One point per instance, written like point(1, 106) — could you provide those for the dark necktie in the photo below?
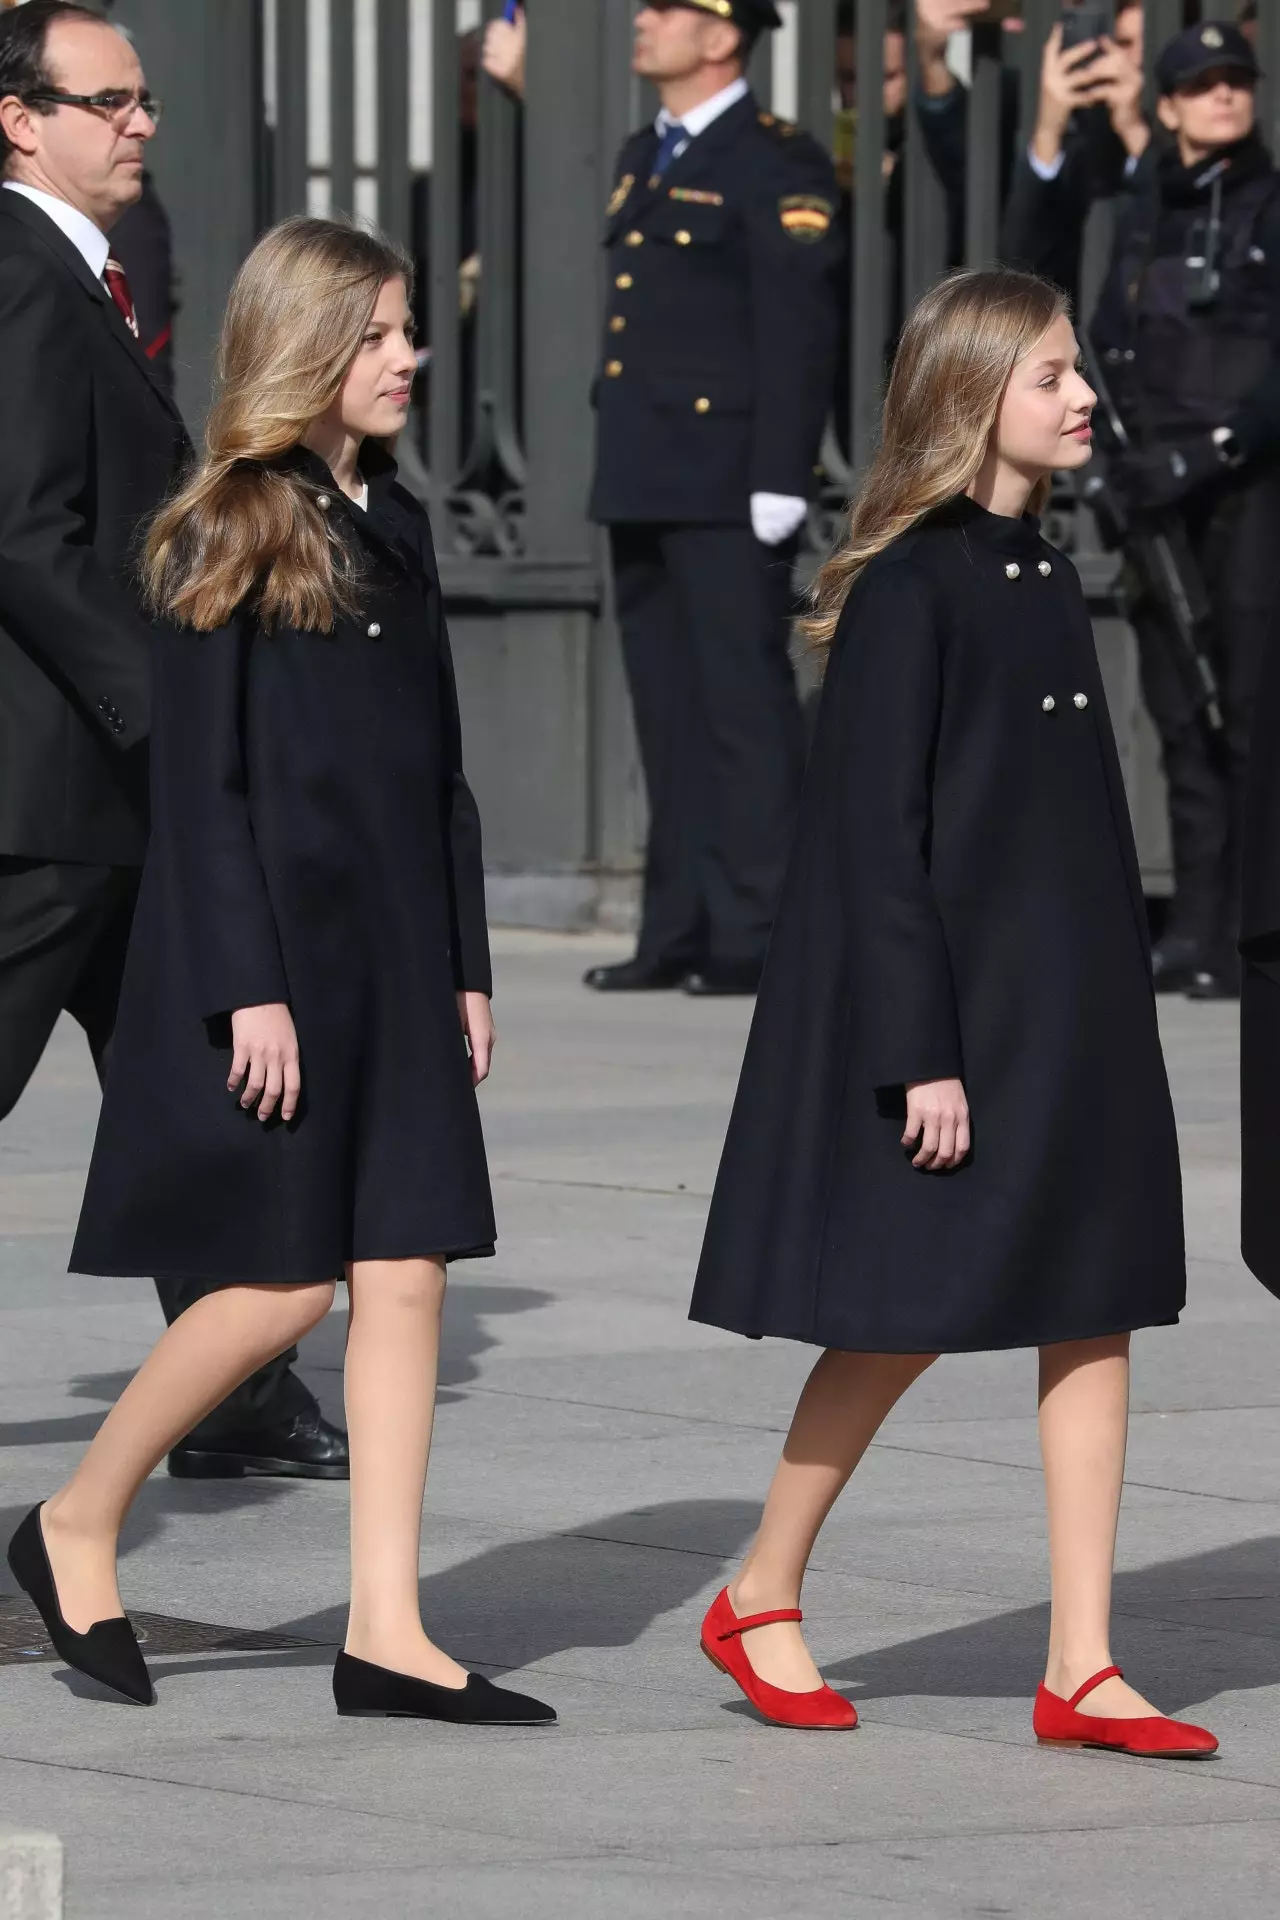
point(118, 287)
point(674, 137)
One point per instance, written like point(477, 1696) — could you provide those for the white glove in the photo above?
point(776, 516)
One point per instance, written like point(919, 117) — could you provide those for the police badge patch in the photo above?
point(620, 195)
point(805, 216)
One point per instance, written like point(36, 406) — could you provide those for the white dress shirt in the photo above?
point(774, 516)
point(88, 240)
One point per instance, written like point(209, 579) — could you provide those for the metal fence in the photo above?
point(374, 107)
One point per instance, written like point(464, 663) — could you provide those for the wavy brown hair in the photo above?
point(246, 526)
point(959, 346)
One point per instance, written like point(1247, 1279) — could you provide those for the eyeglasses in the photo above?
point(118, 107)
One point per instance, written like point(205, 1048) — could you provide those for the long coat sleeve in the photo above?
point(200, 803)
point(315, 841)
point(962, 898)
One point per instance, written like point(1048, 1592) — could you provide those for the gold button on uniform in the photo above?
point(635, 238)
point(624, 281)
point(684, 237)
point(702, 406)
point(617, 323)
point(613, 369)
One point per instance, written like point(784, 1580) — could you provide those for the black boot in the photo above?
point(366, 1692)
point(108, 1652)
point(638, 976)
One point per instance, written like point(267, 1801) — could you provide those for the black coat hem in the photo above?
point(1026, 1343)
point(481, 1250)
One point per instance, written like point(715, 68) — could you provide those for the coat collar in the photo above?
point(996, 531)
point(17, 207)
point(380, 521)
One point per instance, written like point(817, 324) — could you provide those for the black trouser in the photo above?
point(705, 617)
point(64, 930)
point(1235, 537)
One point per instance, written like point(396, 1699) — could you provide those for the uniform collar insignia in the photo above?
point(620, 195)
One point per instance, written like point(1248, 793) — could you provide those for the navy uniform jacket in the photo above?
point(721, 324)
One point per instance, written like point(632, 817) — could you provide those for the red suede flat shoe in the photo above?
point(1153, 1737)
point(721, 1642)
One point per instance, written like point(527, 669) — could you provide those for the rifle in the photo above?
point(1157, 549)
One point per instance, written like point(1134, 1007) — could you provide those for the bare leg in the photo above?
point(393, 1350)
point(217, 1343)
point(1084, 1419)
point(844, 1401)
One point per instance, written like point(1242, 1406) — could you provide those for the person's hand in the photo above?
point(265, 1057)
point(1117, 82)
point(503, 54)
point(1068, 81)
point(935, 22)
point(937, 1116)
point(776, 516)
point(476, 1016)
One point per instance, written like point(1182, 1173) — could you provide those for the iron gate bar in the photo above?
point(924, 249)
point(342, 113)
point(984, 140)
point(290, 146)
point(393, 119)
point(444, 333)
point(815, 60)
point(869, 292)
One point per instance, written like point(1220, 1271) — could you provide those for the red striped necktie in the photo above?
point(117, 285)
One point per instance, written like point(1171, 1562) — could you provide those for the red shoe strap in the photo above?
point(759, 1620)
point(1108, 1673)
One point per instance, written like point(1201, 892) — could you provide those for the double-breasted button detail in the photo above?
point(1045, 568)
point(374, 629)
point(1082, 701)
point(1013, 571)
point(1048, 703)
point(702, 405)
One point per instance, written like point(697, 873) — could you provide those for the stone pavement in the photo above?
point(599, 1464)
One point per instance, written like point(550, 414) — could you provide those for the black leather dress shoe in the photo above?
point(1175, 961)
point(720, 978)
point(304, 1447)
point(1214, 983)
point(638, 976)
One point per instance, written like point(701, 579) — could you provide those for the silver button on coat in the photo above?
point(1045, 568)
point(1048, 703)
point(1013, 571)
point(1082, 701)
point(374, 629)
point(323, 500)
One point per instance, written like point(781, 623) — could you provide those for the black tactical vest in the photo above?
point(1195, 352)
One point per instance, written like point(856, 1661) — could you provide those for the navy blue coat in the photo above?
point(963, 899)
point(313, 841)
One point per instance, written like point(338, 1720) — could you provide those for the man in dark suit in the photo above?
point(721, 330)
point(93, 444)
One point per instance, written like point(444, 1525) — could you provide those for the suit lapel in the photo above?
point(55, 241)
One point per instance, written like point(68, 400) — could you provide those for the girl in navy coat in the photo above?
point(953, 1130)
point(305, 1013)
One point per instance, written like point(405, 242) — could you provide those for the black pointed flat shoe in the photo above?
point(362, 1691)
point(109, 1652)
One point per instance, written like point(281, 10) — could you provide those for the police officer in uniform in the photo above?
point(1189, 334)
point(716, 381)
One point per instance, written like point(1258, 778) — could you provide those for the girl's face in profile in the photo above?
point(1043, 423)
point(375, 394)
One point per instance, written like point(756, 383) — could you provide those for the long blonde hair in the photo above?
point(959, 346)
point(247, 525)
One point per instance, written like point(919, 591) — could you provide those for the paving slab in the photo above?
point(599, 1465)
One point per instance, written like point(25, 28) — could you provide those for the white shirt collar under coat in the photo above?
point(699, 118)
point(89, 241)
